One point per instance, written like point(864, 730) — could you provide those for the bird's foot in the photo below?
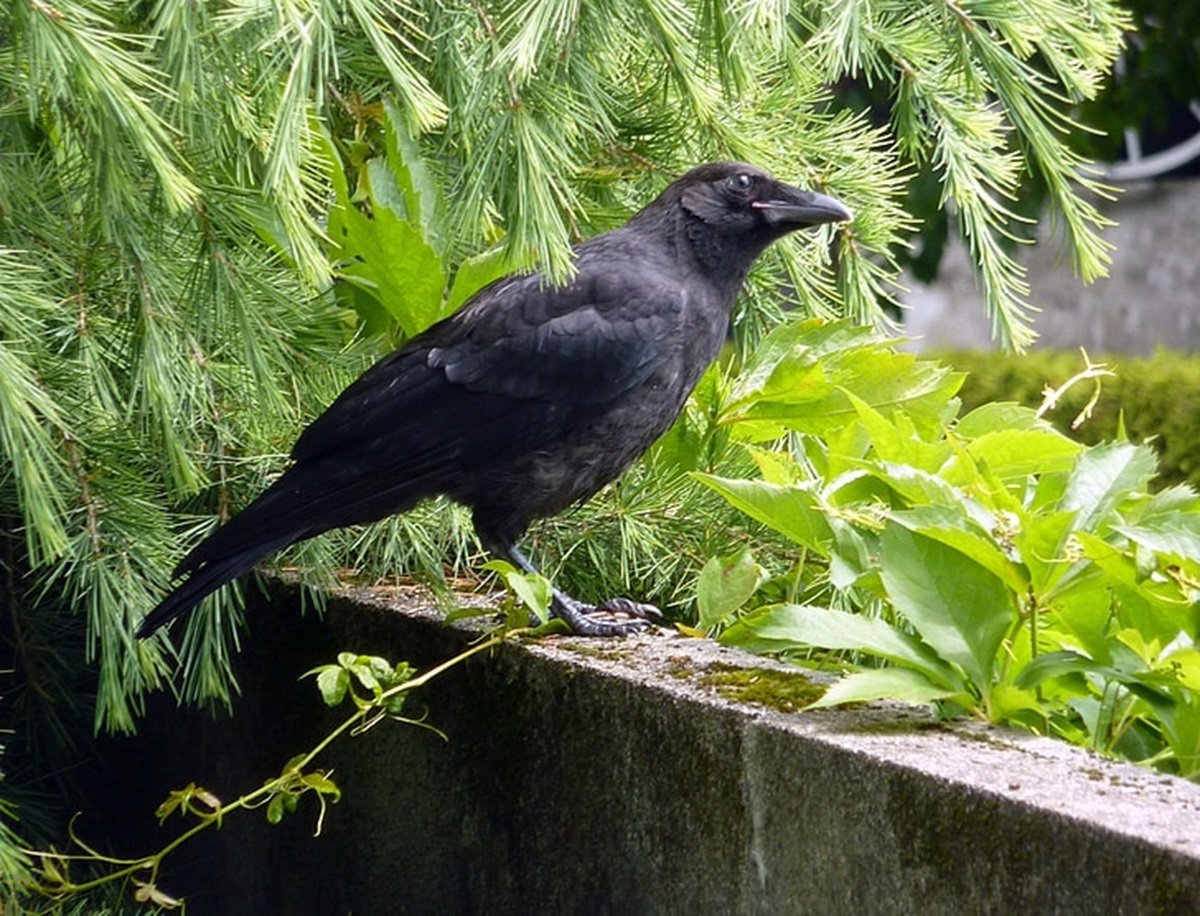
point(613, 617)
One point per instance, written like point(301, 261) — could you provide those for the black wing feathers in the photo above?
point(529, 344)
point(509, 372)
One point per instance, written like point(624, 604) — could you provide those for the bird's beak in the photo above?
point(788, 206)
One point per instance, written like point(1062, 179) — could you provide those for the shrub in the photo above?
point(1157, 398)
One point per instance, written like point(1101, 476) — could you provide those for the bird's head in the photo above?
point(733, 198)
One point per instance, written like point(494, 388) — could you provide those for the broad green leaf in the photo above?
point(333, 682)
point(1052, 665)
point(424, 206)
point(853, 556)
point(777, 467)
point(792, 626)
point(996, 417)
point(1007, 703)
point(896, 440)
point(961, 533)
point(903, 684)
point(920, 487)
point(1104, 476)
point(795, 346)
point(1017, 453)
point(792, 511)
point(1153, 604)
point(320, 782)
point(1185, 663)
point(365, 676)
point(532, 590)
point(388, 258)
point(1041, 540)
point(960, 608)
point(885, 380)
point(1177, 535)
point(799, 376)
point(725, 585)
point(1169, 502)
point(474, 274)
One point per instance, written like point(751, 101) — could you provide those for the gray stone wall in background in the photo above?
point(1150, 299)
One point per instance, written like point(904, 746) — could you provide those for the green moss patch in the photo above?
point(785, 691)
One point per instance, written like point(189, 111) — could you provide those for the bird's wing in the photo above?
point(517, 364)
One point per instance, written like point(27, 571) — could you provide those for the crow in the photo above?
point(532, 396)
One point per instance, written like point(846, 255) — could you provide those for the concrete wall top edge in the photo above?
point(1044, 776)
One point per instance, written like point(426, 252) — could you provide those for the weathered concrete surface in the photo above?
point(603, 777)
point(1150, 299)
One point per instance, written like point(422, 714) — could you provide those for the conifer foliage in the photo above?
point(173, 304)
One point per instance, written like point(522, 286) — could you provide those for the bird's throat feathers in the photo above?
point(724, 259)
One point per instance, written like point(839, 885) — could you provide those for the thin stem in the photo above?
point(252, 799)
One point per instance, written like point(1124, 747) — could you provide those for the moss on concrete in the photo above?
point(781, 690)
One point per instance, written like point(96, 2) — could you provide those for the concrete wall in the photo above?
point(599, 777)
point(1151, 298)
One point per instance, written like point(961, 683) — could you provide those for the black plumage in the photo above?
point(533, 396)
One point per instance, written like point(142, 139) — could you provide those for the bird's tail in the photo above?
point(203, 581)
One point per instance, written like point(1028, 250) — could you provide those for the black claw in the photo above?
point(585, 620)
point(632, 608)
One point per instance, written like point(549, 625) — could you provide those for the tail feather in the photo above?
point(203, 582)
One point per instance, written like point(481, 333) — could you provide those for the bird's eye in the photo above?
point(741, 181)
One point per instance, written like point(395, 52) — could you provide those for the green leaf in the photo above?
point(903, 684)
point(275, 809)
point(960, 608)
point(1007, 703)
point(362, 671)
point(997, 417)
point(1041, 539)
point(799, 376)
point(921, 487)
point(387, 258)
point(961, 533)
point(1177, 535)
point(725, 585)
point(1154, 604)
point(790, 510)
point(782, 627)
point(532, 590)
point(333, 682)
point(1015, 453)
point(320, 782)
point(896, 440)
point(424, 205)
point(1053, 665)
point(474, 274)
point(1104, 476)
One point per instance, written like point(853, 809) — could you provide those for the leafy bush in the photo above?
point(1156, 399)
point(983, 562)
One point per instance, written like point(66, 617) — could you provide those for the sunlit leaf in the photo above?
point(725, 585)
point(903, 684)
point(792, 510)
point(960, 608)
point(789, 626)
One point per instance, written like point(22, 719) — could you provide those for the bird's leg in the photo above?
point(586, 619)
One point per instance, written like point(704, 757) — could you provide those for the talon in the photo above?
point(647, 612)
point(588, 620)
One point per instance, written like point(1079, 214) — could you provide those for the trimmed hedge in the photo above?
point(1158, 397)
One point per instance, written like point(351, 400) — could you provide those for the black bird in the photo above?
point(531, 397)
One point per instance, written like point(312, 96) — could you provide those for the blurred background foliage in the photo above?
point(213, 215)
